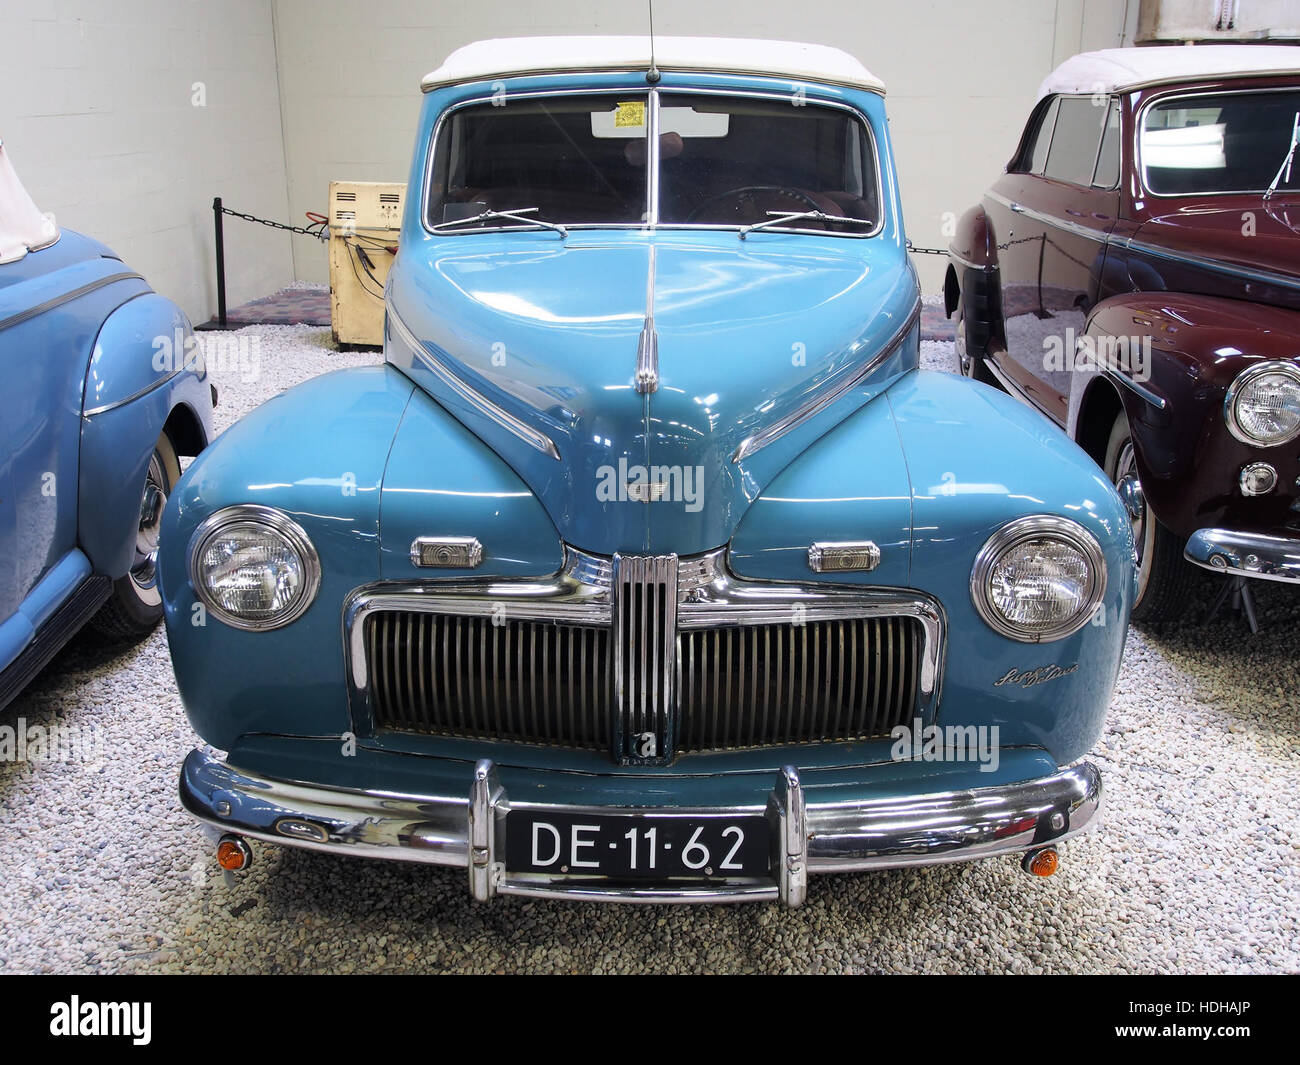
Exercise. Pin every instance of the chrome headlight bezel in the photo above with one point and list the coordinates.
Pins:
(1037, 527)
(1238, 386)
(280, 524)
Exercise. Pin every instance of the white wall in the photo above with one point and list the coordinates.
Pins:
(962, 77)
(97, 114)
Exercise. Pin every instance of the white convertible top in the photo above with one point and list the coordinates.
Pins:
(22, 227)
(485, 60)
(1123, 69)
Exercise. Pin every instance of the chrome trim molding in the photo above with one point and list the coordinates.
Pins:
(138, 394)
(1267, 277)
(1141, 391)
(1098, 235)
(276, 520)
(843, 555)
(446, 552)
(1258, 369)
(468, 830)
(1032, 527)
(467, 392)
(67, 297)
(709, 595)
(1245, 554)
(823, 398)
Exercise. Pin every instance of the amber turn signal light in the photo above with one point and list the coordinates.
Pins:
(1043, 862)
(233, 854)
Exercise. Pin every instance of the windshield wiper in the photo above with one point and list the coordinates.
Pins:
(1290, 156)
(516, 215)
(776, 218)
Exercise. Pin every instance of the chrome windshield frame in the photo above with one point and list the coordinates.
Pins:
(652, 222)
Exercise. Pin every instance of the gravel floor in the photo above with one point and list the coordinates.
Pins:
(1196, 869)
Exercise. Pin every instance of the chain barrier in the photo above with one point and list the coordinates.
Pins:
(925, 251)
(319, 230)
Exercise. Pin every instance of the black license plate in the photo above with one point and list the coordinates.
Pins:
(623, 846)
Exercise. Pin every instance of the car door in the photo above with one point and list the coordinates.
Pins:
(1052, 217)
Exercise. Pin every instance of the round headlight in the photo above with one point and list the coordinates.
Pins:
(1263, 405)
(1038, 578)
(254, 567)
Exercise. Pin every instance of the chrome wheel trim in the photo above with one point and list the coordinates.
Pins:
(144, 570)
(1129, 486)
(959, 344)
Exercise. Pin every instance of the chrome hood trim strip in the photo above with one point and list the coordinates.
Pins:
(819, 402)
(469, 394)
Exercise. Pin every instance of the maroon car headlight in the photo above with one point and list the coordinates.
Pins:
(254, 567)
(1263, 405)
(1038, 578)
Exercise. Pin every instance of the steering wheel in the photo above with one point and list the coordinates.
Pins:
(745, 198)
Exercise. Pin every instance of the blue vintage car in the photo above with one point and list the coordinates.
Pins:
(103, 391)
(648, 566)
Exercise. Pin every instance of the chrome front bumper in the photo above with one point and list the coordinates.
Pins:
(1243, 554)
(808, 837)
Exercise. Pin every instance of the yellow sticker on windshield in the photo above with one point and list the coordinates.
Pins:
(630, 114)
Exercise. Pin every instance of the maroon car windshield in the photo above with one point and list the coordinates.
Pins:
(1220, 142)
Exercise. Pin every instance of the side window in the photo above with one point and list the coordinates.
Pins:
(1107, 175)
(1034, 154)
(1073, 154)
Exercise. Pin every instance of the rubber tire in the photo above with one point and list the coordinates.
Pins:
(126, 616)
(976, 341)
(1166, 579)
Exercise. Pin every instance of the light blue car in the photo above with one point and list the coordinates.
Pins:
(648, 567)
(103, 391)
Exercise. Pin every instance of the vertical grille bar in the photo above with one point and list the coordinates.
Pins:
(644, 641)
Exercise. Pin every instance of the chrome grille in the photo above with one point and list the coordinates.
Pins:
(530, 681)
(645, 622)
(547, 683)
(758, 685)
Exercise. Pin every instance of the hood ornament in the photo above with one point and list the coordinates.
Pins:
(647, 345)
(647, 358)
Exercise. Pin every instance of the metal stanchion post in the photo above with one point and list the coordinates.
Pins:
(221, 262)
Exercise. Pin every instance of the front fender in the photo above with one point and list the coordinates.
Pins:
(1184, 352)
(127, 401)
(977, 460)
(316, 452)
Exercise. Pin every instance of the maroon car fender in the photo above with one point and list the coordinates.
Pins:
(972, 248)
(972, 272)
(1169, 359)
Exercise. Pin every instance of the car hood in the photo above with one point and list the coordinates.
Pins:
(1243, 234)
(525, 335)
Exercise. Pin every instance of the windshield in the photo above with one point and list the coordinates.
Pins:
(1231, 142)
(585, 160)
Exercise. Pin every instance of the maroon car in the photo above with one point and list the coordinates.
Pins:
(1135, 275)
